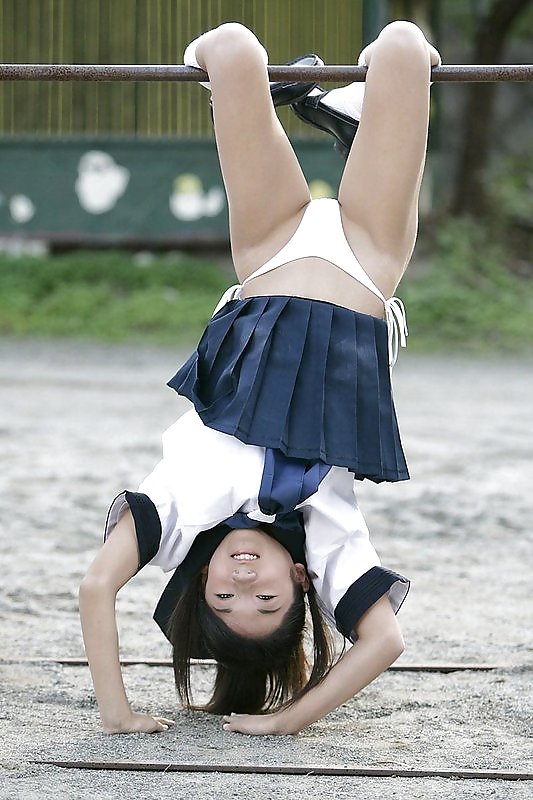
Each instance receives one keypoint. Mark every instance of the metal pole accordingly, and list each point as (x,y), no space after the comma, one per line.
(159,72)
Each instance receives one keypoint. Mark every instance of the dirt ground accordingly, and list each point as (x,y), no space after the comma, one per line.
(79,422)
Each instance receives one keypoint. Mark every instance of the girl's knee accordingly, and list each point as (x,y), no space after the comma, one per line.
(403,35)
(403,40)
(230,43)
(234,31)
(403,29)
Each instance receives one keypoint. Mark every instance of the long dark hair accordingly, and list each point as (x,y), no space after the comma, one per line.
(252,675)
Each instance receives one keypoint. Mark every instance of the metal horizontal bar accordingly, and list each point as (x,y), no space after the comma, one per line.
(294,769)
(166,662)
(173,72)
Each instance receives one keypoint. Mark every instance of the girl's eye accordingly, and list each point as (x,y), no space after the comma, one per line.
(266,596)
(223,596)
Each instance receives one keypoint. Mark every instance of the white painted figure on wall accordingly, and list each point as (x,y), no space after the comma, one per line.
(189,201)
(100,182)
(21,208)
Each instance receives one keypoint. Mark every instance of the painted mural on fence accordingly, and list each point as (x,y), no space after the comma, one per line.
(131,189)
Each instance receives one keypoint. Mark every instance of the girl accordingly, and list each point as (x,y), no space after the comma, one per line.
(253,503)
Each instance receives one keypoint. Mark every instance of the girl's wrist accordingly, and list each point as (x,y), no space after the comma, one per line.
(284,721)
(117,720)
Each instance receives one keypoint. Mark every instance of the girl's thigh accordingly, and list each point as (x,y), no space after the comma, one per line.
(263,179)
(381,181)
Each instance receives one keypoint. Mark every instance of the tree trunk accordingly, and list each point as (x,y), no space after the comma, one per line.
(470,195)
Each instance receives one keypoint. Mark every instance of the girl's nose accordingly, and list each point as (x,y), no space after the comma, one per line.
(244,575)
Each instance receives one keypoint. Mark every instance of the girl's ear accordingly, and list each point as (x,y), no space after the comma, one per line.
(300,576)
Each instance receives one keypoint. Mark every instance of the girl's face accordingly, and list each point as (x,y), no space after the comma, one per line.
(251,581)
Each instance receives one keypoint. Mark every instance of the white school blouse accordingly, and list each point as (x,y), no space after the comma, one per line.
(206,476)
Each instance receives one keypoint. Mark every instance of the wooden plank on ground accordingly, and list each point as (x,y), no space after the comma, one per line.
(166,662)
(295,769)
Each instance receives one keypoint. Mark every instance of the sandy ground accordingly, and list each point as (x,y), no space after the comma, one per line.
(78,423)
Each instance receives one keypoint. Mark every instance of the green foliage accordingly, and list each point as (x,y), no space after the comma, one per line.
(510,185)
(112,296)
(463,296)
(466,295)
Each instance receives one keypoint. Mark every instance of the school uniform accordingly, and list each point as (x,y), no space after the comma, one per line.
(292,400)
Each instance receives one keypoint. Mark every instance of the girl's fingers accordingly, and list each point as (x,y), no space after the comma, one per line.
(158,724)
(164,720)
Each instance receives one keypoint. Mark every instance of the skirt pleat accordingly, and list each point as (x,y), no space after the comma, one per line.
(369,422)
(341,380)
(308,398)
(276,379)
(305,377)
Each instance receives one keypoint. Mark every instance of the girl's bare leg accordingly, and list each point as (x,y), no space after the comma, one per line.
(264,183)
(381,181)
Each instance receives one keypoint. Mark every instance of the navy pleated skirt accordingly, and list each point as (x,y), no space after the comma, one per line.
(306,377)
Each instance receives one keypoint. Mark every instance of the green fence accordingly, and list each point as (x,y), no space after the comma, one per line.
(128,191)
(67,171)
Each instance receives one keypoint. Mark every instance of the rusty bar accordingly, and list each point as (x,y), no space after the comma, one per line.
(294,769)
(175,72)
(166,662)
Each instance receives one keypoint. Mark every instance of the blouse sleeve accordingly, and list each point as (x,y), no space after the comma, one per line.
(146,519)
(204,477)
(154,511)
(342,563)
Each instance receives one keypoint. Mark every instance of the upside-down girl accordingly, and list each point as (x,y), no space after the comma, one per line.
(253,504)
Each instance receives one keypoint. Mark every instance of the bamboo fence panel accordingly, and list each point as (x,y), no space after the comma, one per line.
(149,32)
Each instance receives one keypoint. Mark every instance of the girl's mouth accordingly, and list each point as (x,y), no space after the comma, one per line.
(244,556)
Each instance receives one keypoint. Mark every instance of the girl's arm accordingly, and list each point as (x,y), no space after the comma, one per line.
(378,645)
(114,565)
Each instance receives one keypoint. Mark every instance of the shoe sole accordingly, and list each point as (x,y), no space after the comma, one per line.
(295,92)
(291,93)
(342,145)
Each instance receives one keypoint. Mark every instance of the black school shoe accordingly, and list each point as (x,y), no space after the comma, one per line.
(316,113)
(283,94)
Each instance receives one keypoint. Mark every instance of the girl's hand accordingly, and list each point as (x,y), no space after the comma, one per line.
(140,723)
(256,724)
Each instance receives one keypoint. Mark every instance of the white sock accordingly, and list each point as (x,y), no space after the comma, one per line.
(347,99)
